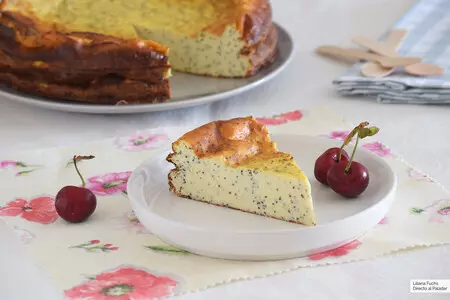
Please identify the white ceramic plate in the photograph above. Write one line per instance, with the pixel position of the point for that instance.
(187, 90)
(229, 234)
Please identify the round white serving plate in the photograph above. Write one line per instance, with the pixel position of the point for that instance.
(225, 233)
(187, 90)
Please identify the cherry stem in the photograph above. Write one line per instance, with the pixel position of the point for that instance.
(83, 183)
(349, 136)
(347, 168)
(357, 130)
(340, 152)
(347, 140)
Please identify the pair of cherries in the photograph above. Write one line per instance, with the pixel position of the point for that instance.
(340, 172)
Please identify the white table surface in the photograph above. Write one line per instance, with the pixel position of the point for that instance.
(419, 133)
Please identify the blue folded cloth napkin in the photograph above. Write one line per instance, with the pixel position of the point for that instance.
(428, 25)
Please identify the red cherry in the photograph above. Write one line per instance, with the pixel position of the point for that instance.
(349, 184)
(347, 178)
(75, 204)
(325, 161)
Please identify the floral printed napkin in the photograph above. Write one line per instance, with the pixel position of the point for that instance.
(112, 256)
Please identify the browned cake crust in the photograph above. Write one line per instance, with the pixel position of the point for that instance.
(56, 74)
(105, 90)
(236, 140)
(251, 17)
(257, 19)
(258, 32)
(28, 39)
(263, 53)
(36, 58)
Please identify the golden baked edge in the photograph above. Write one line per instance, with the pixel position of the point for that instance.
(237, 139)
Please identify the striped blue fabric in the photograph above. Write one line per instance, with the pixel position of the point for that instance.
(428, 25)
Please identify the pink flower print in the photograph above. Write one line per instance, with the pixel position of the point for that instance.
(8, 164)
(343, 250)
(292, 116)
(282, 118)
(339, 135)
(129, 221)
(5, 164)
(125, 283)
(445, 211)
(419, 176)
(442, 214)
(108, 184)
(383, 221)
(24, 173)
(142, 141)
(11, 164)
(39, 210)
(271, 121)
(96, 246)
(378, 148)
(438, 211)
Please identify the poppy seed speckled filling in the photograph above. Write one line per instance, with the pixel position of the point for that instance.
(269, 191)
(226, 38)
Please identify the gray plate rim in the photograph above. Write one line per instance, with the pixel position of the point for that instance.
(143, 108)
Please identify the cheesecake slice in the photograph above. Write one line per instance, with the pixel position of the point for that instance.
(235, 164)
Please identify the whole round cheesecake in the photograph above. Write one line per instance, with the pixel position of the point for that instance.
(224, 38)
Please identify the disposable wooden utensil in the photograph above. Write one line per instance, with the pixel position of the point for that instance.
(375, 46)
(424, 70)
(373, 69)
(393, 40)
(338, 52)
(330, 51)
(416, 69)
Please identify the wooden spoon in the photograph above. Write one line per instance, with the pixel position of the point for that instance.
(373, 69)
(424, 70)
(337, 52)
(375, 46)
(393, 40)
(416, 69)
